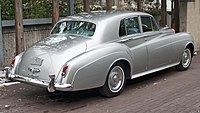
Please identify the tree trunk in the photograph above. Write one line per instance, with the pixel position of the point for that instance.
(55, 12)
(109, 5)
(19, 37)
(163, 13)
(119, 4)
(86, 5)
(157, 4)
(1, 43)
(139, 5)
(172, 16)
(176, 15)
(100, 2)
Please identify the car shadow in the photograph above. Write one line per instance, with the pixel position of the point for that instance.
(69, 97)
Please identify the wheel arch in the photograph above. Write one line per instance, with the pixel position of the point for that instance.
(127, 66)
(191, 47)
(107, 89)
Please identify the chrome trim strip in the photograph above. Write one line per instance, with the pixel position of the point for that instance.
(153, 70)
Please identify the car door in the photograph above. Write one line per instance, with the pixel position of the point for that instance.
(130, 35)
(159, 46)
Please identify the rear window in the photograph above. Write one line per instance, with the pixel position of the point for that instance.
(129, 26)
(74, 28)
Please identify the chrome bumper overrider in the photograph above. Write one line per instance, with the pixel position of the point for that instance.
(51, 85)
(195, 53)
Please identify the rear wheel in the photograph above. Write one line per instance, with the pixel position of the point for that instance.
(185, 60)
(115, 81)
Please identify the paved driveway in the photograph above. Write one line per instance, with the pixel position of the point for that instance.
(168, 91)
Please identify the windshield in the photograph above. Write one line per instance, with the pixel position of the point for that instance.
(74, 28)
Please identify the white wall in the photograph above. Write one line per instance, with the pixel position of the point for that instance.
(193, 21)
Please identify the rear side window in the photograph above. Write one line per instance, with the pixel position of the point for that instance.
(122, 29)
(129, 26)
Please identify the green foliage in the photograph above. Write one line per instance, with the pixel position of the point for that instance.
(7, 8)
(153, 8)
(78, 6)
(43, 8)
(36, 8)
(153, 11)
(62, 8)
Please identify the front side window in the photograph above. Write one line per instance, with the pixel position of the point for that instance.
(129, 26)
(148, 24)
(75, 28)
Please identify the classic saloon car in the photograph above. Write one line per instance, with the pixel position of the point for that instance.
(101, 50)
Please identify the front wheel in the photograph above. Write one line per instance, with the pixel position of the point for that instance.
(115, 81)
(185, 60)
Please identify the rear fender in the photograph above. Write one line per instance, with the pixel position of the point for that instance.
(90, 69)
(17, 61)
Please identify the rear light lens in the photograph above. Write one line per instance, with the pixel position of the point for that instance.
(13, 62)
(64, 70)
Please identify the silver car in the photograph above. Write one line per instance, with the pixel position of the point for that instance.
(101, 50)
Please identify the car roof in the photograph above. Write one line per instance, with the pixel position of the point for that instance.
(97, 16)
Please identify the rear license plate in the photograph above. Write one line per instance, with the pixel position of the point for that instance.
(36, 61)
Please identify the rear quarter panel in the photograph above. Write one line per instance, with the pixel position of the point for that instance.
(90, 69)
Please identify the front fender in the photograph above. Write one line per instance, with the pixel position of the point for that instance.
(90, 69)
(180, 41)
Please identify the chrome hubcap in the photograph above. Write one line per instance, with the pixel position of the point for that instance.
(116, 79)
(186, 58)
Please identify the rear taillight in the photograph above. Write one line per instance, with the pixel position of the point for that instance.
(13, 62)
(64, 70)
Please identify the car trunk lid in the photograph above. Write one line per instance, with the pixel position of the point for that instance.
(49, 55)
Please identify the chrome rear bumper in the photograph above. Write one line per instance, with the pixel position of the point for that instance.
(51, 85)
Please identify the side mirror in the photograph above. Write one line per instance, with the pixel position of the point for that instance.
(164, 28)
(167, 30)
